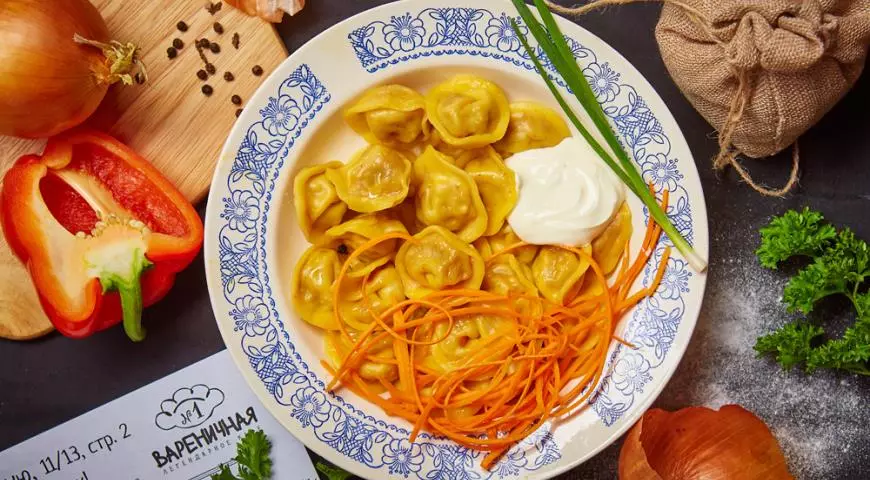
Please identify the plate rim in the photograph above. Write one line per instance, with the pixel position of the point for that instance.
(227, 156)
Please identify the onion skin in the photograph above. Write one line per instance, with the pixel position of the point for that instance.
(48, 83)
(700, 443)
(632, 459)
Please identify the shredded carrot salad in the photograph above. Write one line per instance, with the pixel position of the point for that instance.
(545, 368)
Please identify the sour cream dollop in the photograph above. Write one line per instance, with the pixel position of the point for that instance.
(567, 194)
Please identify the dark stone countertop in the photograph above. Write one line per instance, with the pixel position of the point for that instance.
(820, 420)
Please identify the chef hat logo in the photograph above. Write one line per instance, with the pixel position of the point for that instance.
(188, 407)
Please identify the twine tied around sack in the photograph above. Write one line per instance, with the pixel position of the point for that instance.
(728, 153)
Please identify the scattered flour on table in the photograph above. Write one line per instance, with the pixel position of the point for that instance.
(812, 416)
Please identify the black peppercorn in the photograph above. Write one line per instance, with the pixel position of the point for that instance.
(237, 100)
(171, 52)
(215, 48)
(237, 40)
(202, 75)
(204, 43)
(181, 26)
(210, 68)
(257, 70)
(177, 43)
(207, 90)
(218, 28)
(238, 113)
(228, 76)
(342, 249)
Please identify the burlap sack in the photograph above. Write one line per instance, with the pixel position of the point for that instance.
(761, 72)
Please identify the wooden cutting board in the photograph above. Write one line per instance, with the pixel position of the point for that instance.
(168, 121)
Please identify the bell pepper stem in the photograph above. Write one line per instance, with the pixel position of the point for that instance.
(129, 288)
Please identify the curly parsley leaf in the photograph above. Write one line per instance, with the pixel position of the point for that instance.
(840, 265)
(852, 352)
(839, 270)
(252, 455)
(793, 234)
(791, 344)
(332, 472)
(224, 474)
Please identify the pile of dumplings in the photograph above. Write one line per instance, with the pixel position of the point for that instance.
(433, 168)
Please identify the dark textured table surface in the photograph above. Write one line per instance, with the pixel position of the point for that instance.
(821, 421)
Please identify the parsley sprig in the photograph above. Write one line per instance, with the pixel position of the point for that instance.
(839, 265)
(331, 472)
(252, 456)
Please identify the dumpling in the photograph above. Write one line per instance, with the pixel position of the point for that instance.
(392, 115)
(496, 183)
(506, 275)
(558, 272)
(359, 230)
(337, 346)
(318, 207)
(468, 111)
(352, 234)
(447, 196)
(439, 144)
(458, 414)
(311, 286)
(413, 151)
(532, 125)
(376, 179)
(436, 260)
(468, 337)
(383, 290)
(608, 247)
(591, 288)
(406, 212)
(505, 238)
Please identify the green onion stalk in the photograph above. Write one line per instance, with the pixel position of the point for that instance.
(552, 42)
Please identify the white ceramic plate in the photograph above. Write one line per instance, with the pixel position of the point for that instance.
(252, 241)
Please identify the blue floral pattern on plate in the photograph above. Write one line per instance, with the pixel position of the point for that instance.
(603, 80)
(245, 277)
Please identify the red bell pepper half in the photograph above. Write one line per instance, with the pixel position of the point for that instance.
(101, 231)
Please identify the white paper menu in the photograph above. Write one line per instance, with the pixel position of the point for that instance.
(181, 427)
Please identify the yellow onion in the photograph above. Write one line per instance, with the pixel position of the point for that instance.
(56, 65)
(700, 443)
